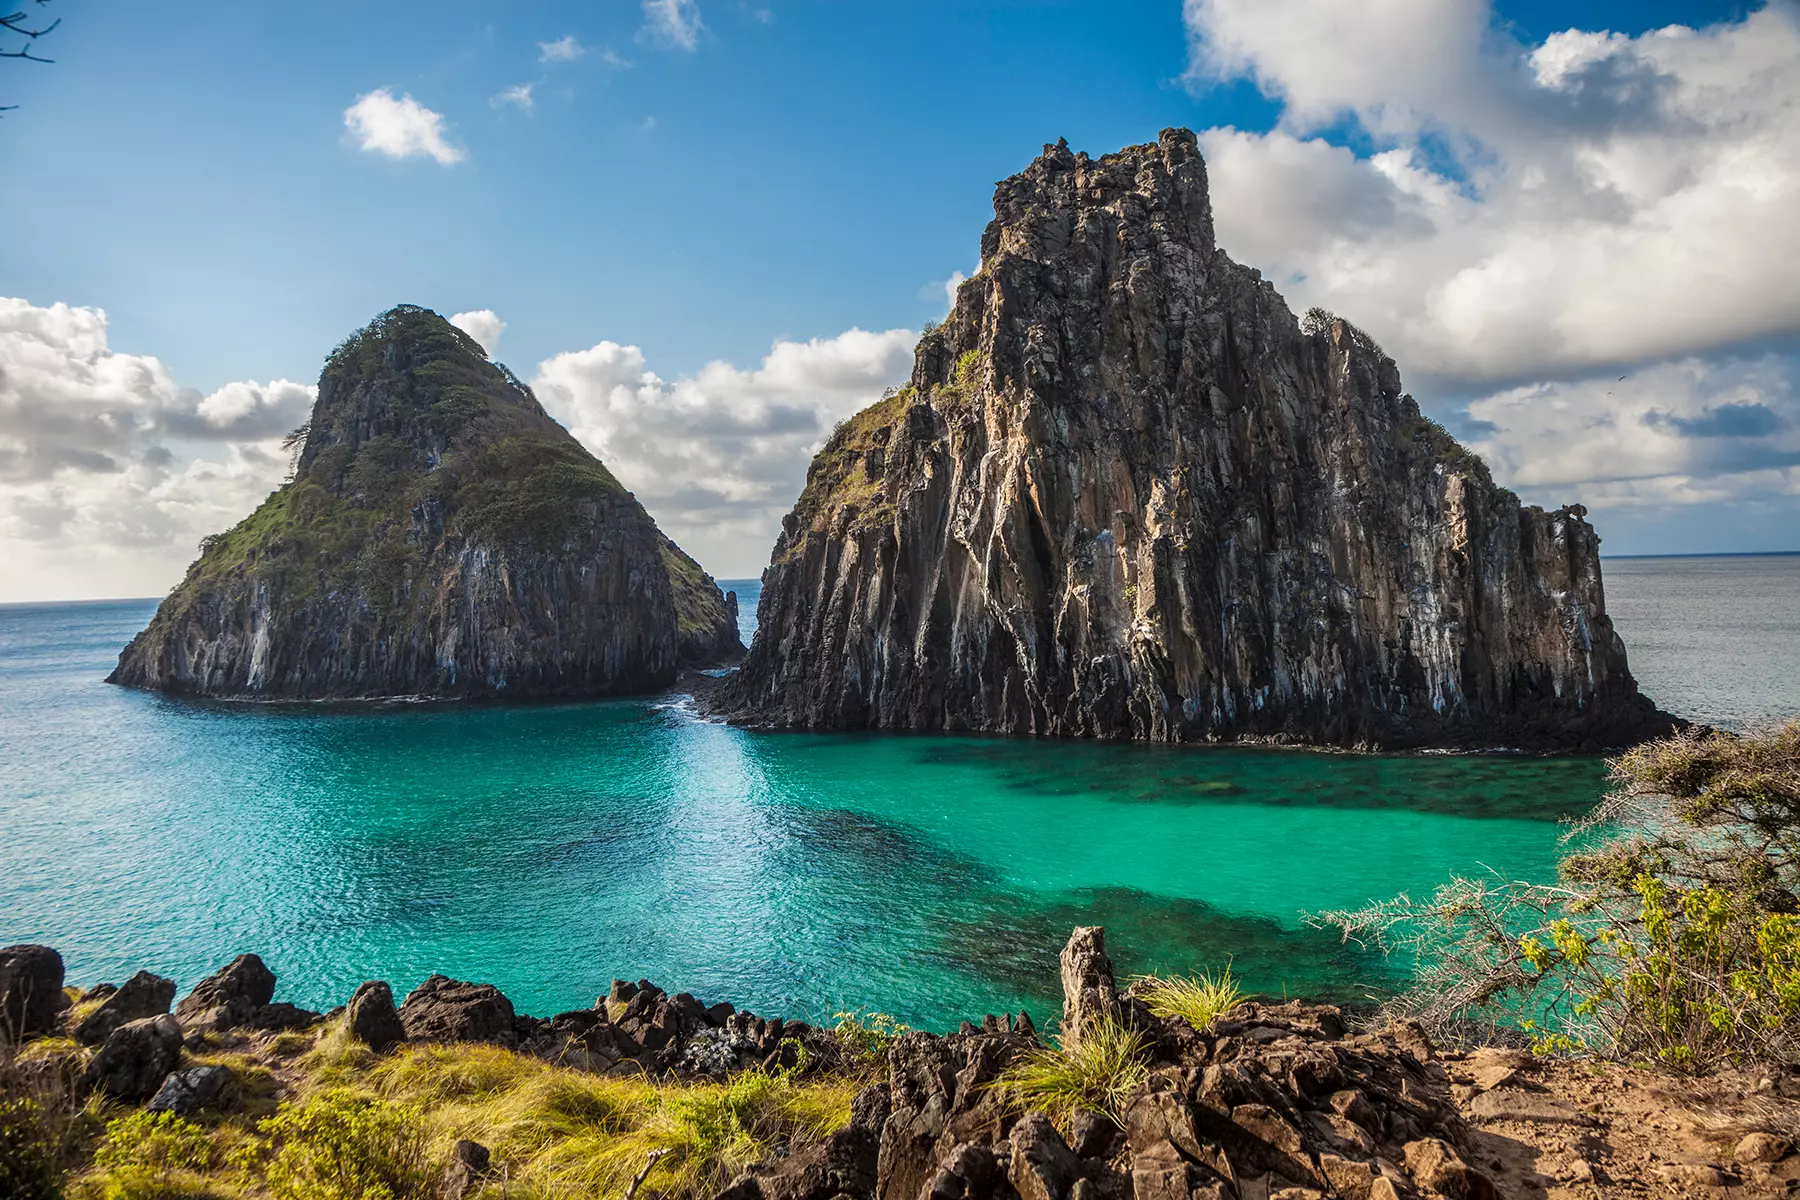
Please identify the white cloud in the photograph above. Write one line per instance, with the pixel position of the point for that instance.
(110, 473)
(518, 95)
(401, 128)
(562, 50)
(1530, 211)
(676, 22)
(483, 325)
(1692, 427)
(719, 456)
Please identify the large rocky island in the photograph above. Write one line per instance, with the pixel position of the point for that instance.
(1128, 494)
(441, 537)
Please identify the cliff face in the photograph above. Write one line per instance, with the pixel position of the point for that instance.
(442, 536)
(1127, 494)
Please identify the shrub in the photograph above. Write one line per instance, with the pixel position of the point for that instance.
(153, 1156)
(1672, 937)
(29, 1150)
(39, 1119)
(344, 1146)
(863, 1039)
(155, 1141)
(1198, 999)
(1097, 1072)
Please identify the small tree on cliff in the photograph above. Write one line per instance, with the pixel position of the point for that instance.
(1673, 935)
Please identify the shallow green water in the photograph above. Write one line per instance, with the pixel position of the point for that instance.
(548, 849)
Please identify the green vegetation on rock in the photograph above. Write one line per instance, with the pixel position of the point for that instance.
(1672, 938)
(440, 533)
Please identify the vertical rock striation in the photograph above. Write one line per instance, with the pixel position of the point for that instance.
(1127, 494)
(442, 536)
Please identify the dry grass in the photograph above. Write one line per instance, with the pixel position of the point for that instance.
(555, 1133)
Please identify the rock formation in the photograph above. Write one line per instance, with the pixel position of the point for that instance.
(441, 536)
(1127, 494)
(31, 991)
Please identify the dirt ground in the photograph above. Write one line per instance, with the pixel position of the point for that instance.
(1572, 1130)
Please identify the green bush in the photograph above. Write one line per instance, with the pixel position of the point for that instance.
(1673, 936)
(29, 1150)
(344, 1146)
(863, 1039)
(1099, 1072)
(154, 1141)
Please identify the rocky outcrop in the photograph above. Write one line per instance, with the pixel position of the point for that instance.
(229, 996)
(31, 995)
(185, 1093)
(447, 1010)
(143, 995)
(1127, 494)
(370, 1017)
(441, 536)
(1272, 1100)
(133, 1062)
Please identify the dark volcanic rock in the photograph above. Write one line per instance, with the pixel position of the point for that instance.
(442, 536)
(31, 995)
(134, 1061)
(229, 997)
(1274, 1101)
(447, 1010)
(185, 1093)
(371, 1018)
(144, 995)
(1126, 494)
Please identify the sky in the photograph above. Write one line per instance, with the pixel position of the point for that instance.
(707, 230)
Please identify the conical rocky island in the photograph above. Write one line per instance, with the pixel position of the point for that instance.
(441, 537)
(1127, 494)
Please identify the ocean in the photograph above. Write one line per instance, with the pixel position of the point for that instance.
(550, 848)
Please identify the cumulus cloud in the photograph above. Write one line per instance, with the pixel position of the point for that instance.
(676, 22)
(110, 473)
(483, 325)
(1658, 431)
(562, 50)
(519, 95)
(399, 128)
(1528, 210)
(719, 456)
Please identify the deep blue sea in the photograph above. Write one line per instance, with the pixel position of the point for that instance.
(550, 848)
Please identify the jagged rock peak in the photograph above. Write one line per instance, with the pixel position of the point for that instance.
(440, 536)
(1127, 494)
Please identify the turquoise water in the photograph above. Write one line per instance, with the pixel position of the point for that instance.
(548, 849)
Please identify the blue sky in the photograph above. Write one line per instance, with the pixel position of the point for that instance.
(784, 172)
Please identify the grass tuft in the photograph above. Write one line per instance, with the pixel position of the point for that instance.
(1197, 999)
(1099, 1073)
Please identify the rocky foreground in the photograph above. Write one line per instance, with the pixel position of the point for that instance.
(1126, 494)
(1271, 1101)
(441, 537)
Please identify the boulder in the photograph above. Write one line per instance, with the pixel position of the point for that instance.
(448, 1010)
(1763, 1147)
(230, 996)
(133, 1062)
(185, 1093)
(1042, 1165)
(371, 1018)
(144, 995)
(470, 1163)
(31, 995)
(1434, 1164)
